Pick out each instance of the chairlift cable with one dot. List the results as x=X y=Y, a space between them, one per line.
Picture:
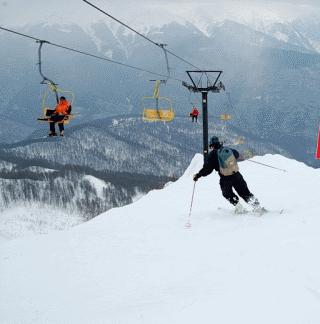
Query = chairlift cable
x=90 y=55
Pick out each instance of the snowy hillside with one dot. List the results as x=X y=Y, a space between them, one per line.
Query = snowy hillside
x=139 y=264
x=36 y=197
x=129 y=144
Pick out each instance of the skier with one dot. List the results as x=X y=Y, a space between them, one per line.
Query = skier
x=61 y=112
x=223 y=160
x=194 y=114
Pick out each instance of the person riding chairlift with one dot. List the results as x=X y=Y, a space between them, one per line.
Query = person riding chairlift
x=62 y=110
x=194 y=114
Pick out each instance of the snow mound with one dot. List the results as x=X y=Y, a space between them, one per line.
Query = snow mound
x=139 y=264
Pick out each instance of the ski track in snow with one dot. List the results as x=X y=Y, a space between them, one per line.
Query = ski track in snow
x=139 y=264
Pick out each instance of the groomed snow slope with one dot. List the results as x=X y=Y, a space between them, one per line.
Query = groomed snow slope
x=32 y=218
x=139 y=264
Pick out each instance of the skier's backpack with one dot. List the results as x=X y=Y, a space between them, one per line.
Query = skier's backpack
x=227 y=161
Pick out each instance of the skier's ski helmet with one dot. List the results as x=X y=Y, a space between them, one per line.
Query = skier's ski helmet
x=214 y=142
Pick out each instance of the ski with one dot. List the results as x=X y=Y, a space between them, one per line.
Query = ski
x=259 y=213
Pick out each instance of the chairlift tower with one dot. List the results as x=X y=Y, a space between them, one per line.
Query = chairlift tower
x=204 y=81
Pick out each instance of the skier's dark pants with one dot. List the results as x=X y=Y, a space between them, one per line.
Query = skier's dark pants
x=194 y=118
x=56 y=119
x=237 y=182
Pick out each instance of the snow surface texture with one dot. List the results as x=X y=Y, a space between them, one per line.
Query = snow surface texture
x=33 y=219
x=139 y=264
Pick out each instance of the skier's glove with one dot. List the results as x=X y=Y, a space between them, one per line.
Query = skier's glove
x=196 y=177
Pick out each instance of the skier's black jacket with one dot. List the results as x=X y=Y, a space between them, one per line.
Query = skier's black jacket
x=213 y=163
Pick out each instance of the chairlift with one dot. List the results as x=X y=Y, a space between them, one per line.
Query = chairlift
x=52 y=93
x=155 y=107
x=239 y=140
x=225 y=117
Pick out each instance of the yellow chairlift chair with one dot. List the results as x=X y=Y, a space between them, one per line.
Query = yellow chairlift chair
x=156 y=108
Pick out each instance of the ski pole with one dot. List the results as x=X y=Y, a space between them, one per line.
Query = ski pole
x=266 y=165
x=188 y=223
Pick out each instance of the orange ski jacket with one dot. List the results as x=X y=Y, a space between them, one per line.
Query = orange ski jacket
x=63 y=107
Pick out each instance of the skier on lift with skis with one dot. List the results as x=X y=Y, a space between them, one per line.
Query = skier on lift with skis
x=224 y=161
x=59 y=115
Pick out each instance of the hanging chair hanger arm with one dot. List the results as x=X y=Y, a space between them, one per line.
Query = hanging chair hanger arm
x=229 y=100
x=44 y=78
x=167 y=60
x=41 y=42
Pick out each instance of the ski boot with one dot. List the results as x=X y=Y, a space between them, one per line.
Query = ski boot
x=239 y=209
x=256 y=207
